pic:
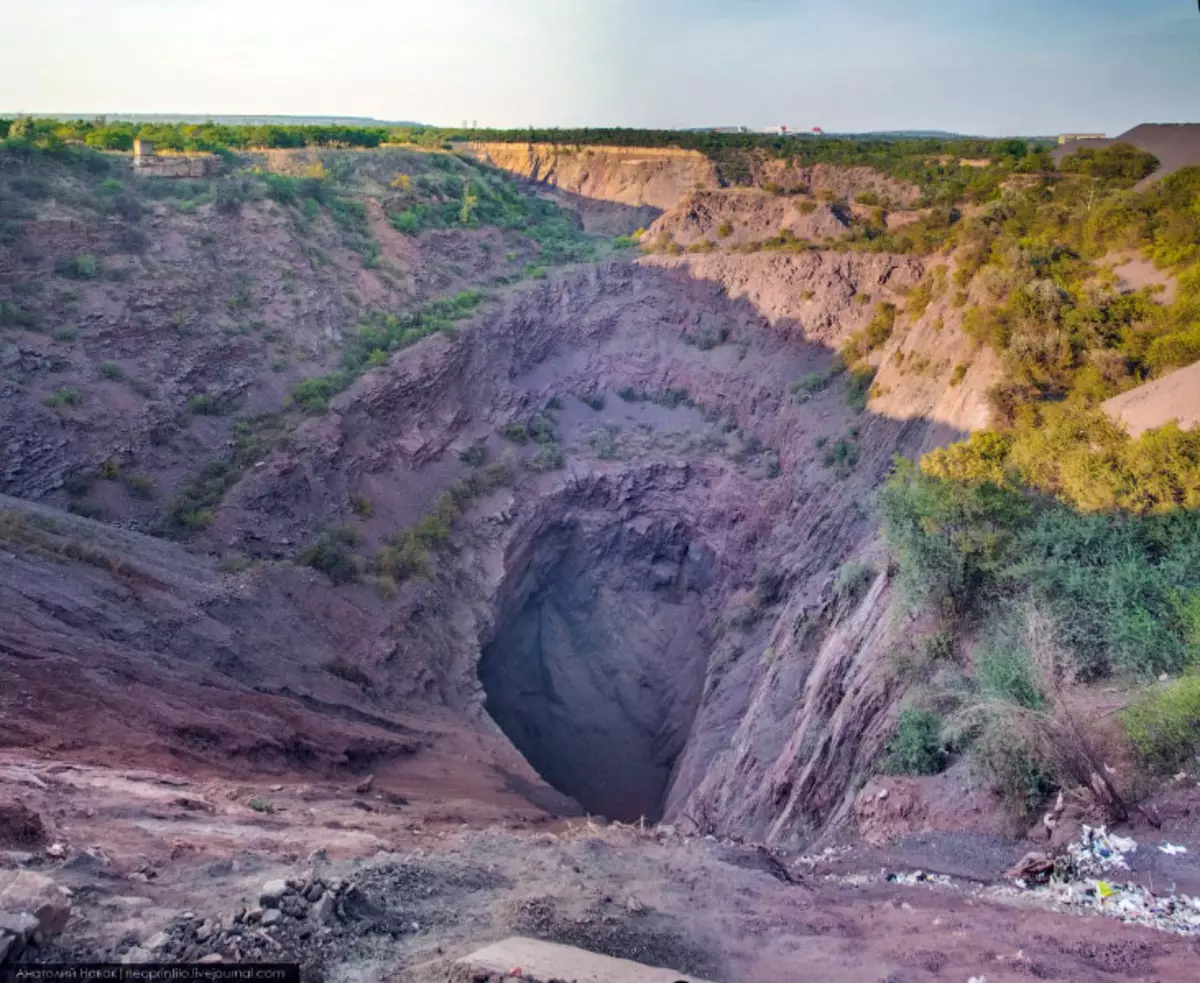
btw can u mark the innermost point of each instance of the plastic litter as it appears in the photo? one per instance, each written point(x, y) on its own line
point(1171, 850)
point(1083, 880)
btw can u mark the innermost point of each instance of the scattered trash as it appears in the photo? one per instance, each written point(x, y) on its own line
point(977, 979)
point(1098, 851)
point(917, 877)
point(1171, 850)
point(1082, 879)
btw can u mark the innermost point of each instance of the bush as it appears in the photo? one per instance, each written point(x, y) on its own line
point(916, 747)
point(112, 371)
point(594, 400)
point(516, 431)
point(81, 267)
point(362, 506)
point(64, 397)
point(203, 405)
point(858, 387)
point(333, 555)
point(842, 457)
point(852, 582)
point(140, 486)
point(313, 395)
point(475, 455)
point(548, 458)
point(1005, 673)
point(1164, 725)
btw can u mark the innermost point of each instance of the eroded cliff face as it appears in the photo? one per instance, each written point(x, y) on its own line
point(655, 623)
point(635, 599)
point(653, 178)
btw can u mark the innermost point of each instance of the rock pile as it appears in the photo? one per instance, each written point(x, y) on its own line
point(298, 911)
point(33, 910)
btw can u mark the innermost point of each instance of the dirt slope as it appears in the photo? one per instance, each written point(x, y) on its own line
point(1173, 398)
point(1176, 145)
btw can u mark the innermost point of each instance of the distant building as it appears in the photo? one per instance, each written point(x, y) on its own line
point(149, 164)
point(1071, 137)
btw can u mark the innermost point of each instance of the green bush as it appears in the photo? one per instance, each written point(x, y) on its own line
point(548, 458)
point(204, 405)
point(333, 554)
point(112, 371)
point(852, 582)
point(1164, 725)
point(916, 746)
point(1004, 672)
point(64, 396)
point(858, 387)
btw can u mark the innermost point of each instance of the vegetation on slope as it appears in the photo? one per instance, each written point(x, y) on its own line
point(1055, 548)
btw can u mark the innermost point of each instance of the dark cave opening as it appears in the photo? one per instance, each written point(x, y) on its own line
point(597, 666)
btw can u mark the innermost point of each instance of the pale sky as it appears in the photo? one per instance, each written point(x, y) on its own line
point(977, 66)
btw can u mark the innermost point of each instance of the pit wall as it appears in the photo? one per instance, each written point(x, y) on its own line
point(660, 177)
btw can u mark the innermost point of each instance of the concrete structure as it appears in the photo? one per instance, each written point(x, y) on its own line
point(542, 962)
point(1071, 137)
point(149, 164)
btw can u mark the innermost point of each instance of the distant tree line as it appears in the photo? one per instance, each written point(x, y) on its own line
point(119, 136)
point(875, 151)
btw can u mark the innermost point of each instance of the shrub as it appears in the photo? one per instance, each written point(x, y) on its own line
point(112, 371)
point(475, 455)
point(858, 387)
point(843, 457)
point(516, 431)
point(594, 400)
point(64, 396)
point(81, 267)
point(548, 458)
point(957, 376)
point(333, 555)
point(140, 486)
point(724, 230)
point(203, 405)
point(362, 506)
point(260, 804)
point(313, 395)
point(1164, 725)
point(852, 582)
point(916, 747)
point(1014, 759)
point(1005, 673)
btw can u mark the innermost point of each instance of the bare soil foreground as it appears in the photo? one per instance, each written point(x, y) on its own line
point(169, 868)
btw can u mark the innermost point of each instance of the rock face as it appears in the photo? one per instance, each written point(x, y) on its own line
point(654, 177)
point(33, 910)
point(653, 624)
point(636, 610)
point(737, 216)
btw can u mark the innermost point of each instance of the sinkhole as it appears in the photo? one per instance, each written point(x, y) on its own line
point(597, 664)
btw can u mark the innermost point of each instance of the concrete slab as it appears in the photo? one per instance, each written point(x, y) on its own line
point(547, 962)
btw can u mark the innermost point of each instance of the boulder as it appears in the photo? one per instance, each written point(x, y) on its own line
point(272, 893)
point(24, 891)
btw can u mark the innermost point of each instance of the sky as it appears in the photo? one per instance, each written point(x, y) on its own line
point(989, 67)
